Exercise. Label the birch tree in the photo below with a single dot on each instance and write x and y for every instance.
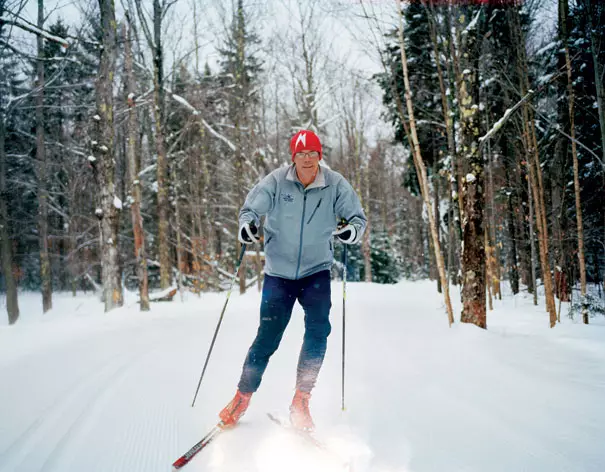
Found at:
(563, 25)
(421, 169)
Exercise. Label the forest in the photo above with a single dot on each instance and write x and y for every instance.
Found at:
(472, 131)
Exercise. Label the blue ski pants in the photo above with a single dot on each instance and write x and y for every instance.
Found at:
(279, 296)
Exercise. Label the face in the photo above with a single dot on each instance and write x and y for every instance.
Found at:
(306, 161)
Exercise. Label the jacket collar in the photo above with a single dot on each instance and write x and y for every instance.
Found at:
(319, 182)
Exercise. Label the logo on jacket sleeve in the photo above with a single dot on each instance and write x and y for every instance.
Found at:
(287, 197)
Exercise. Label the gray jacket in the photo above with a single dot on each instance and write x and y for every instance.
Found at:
(299, 221)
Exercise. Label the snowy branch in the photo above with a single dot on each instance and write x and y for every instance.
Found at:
(500, 123)
(193, 110)
(473, 23)
(26, 26)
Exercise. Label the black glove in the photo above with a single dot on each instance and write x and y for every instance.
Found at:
(347, 233)
(248, 233)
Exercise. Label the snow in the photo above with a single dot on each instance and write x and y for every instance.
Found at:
(96, 118)
(497, 125)
(117, 202)
(27, 26)
(88, 391)
(546, 48)
(473, 23)
(92, 158)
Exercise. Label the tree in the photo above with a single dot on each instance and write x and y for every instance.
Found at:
(155, 43)
(421, 169)
(110, 206)
(473, 253)
(45, 273)
(241, 68)
(133, 172)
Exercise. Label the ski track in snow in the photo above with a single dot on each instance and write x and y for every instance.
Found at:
(92, 392)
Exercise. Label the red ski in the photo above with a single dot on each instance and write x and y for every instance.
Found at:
(190, 454)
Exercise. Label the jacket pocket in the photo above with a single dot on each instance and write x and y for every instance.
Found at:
(314, 210)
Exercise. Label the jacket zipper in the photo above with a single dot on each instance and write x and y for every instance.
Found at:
(313, 214)
(302, 226)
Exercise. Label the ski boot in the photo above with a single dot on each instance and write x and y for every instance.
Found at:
(232, 413)
(300, 417)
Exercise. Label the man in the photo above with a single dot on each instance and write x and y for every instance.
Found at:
(302, 204)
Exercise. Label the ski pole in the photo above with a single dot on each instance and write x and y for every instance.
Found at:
(220, 320)
(344, 299)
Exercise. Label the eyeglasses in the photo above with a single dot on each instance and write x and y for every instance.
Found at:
(312, 155)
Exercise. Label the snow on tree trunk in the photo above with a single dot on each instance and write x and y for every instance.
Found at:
(473, 231)
(6, 250)
(42, 172)
(133, 173)
(104, 150)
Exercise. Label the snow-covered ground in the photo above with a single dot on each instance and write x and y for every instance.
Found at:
(85, 391)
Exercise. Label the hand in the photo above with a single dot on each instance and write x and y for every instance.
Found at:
(347, 233)
(248, 233)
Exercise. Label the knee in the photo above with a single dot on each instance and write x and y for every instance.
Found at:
(319, 329)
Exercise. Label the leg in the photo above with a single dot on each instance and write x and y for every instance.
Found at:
(315, 300)
(278, 300)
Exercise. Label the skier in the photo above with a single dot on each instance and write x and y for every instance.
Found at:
(302, 203)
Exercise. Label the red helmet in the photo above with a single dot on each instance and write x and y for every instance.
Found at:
(305, 140)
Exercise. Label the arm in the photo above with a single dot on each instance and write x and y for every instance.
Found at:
(348, 208)
(259, 201)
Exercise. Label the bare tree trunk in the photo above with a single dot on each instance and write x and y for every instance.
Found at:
(513, 271)
(109, 217)
(488, 272)
(42, 171)
(495, 274)
(162, 162)
(436, 205)
(155, 44)
(12, 302)
(179, 247)
(531, 240)
(535, 171)
(421, 169)
(563, 7)
(133, 172)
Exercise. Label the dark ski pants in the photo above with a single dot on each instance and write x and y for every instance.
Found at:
(279, 295)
